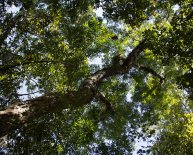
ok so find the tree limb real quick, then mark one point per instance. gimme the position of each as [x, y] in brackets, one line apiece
[17, 114]
[102, 98]
[149, 70]
[135, 52]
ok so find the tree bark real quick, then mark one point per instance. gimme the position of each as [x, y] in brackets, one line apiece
[18, 114]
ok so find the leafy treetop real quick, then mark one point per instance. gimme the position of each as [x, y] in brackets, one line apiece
[145, 48]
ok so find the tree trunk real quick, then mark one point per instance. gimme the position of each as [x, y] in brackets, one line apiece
[18, 114]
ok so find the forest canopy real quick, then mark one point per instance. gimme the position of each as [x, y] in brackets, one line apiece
[96, 77]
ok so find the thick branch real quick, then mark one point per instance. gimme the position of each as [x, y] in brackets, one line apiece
[98, 76]
[150, 70]
[103, 99]
[19, 113]
[131, 58]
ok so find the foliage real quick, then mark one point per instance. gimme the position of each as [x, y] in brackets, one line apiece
[49, 46]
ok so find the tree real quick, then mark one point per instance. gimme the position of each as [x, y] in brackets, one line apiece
[145, 48]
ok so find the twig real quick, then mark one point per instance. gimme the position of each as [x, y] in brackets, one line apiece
[4, 68]
[149, 70]
[27, 93]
